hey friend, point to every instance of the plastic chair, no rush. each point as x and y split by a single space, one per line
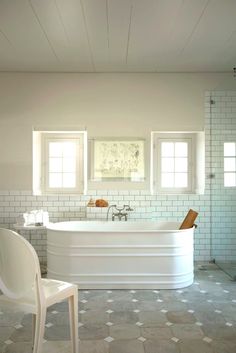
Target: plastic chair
22 285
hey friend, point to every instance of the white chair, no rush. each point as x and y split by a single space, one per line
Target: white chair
22 285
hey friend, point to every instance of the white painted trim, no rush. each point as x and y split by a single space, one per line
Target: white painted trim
197 182
81 161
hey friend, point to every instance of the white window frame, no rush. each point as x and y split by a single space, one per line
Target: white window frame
41 140
157 139
226 157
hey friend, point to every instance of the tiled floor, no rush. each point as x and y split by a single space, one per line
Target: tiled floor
200 318
229 268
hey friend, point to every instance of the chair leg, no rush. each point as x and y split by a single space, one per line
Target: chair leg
33 329
39 331
73 311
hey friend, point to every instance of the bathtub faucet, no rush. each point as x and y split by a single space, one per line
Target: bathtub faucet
122 212
108 210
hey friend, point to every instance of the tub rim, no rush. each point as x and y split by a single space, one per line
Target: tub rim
53 227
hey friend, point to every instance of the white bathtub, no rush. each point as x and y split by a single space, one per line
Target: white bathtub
113 255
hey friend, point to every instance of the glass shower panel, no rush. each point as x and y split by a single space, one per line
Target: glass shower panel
221 179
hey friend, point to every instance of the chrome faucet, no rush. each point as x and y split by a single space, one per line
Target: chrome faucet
108 210
122 212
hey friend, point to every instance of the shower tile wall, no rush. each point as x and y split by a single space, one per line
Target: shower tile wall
220 122
216 208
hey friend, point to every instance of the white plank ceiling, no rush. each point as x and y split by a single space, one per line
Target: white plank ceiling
117 35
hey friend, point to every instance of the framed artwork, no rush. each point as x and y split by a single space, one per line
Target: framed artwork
118 160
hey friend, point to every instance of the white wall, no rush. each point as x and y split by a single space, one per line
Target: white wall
106 104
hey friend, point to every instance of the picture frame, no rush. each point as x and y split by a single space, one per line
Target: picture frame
118 159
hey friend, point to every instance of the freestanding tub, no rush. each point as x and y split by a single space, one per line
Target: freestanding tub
115 255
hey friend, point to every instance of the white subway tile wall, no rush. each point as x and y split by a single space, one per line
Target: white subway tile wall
71 208
220 125
216 207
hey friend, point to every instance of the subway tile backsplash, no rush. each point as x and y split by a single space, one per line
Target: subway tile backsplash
71 208
215 235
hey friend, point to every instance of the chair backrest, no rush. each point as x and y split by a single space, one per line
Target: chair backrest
19 266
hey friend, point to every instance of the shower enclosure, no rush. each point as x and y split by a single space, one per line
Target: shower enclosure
221 177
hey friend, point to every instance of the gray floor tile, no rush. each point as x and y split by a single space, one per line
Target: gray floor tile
224 346
154 326
161 346
220 332
126 317
6 332
195 346
10 318
156 333
145 295
19 347
180 317
57 333
209 317
93 332
57 347
27 320
121 295
94 304
152 318
23 334
176 306
187 331
95 346
95 317
151 305
203 306
126 346
123 305
124 331
59 319
100 295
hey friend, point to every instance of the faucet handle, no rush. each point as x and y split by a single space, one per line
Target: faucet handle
128 208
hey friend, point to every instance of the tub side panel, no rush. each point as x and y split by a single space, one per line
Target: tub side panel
122 260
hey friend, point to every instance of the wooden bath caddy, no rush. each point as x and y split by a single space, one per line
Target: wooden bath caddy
188 222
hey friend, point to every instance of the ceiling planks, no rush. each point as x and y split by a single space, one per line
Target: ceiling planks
119 18
117 35
20 26
150 30
78 52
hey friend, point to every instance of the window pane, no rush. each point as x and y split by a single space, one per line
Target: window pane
69 149
229 165
55 149
167 164
167 149
68 180
229 179
229 149
181 180
167 180
181 149
69 165
55 165
181 164
55 180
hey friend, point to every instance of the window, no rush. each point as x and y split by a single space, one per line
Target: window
229 164
178 162
174 164
59 162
